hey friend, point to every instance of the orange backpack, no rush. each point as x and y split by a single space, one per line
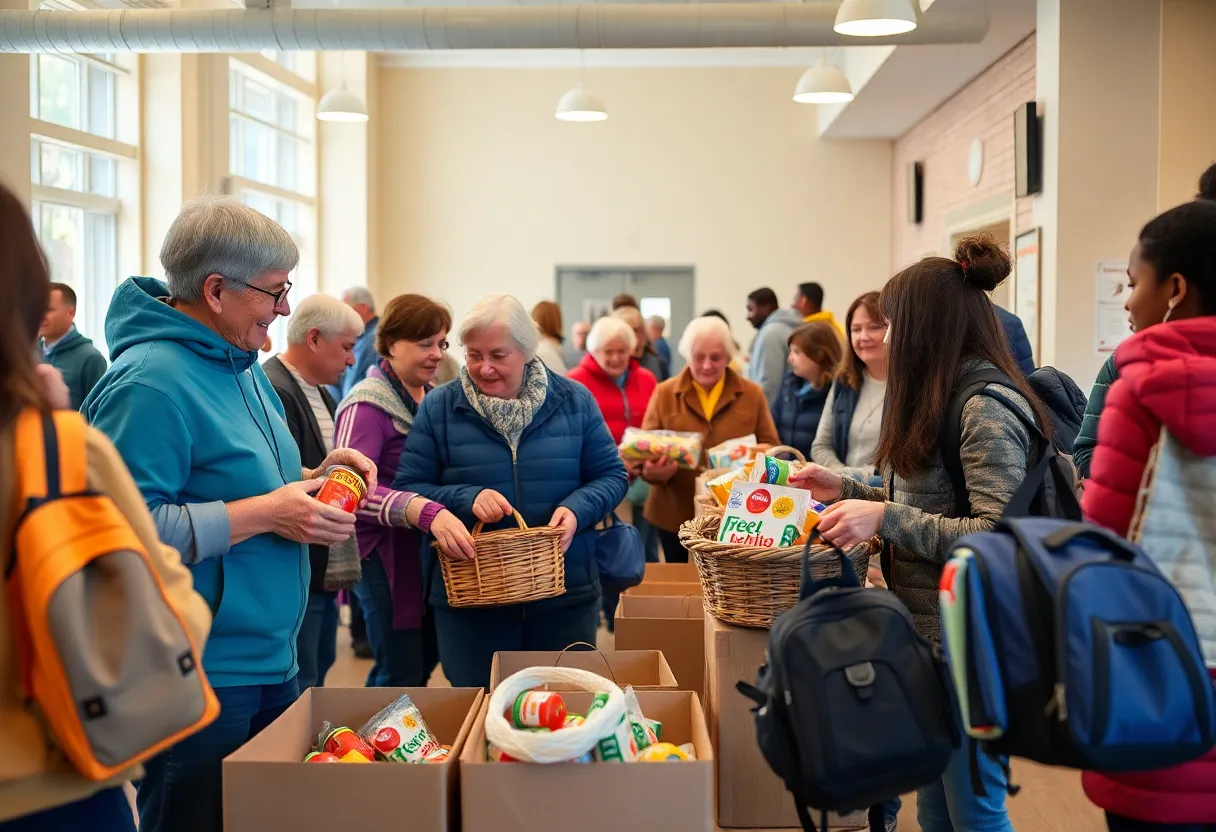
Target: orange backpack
103 653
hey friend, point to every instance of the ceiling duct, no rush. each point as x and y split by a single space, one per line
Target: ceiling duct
608 26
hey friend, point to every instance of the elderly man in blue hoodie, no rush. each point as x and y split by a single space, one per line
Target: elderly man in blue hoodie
203 434
771 348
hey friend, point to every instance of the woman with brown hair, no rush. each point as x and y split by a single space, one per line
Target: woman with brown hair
39 789
942 328
547 316
814 356
375 418
846 441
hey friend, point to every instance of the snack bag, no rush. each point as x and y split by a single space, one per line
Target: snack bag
762 515
399 733
814 511
617 747
643 734
661 753
732 453
769 469
719 487
640 445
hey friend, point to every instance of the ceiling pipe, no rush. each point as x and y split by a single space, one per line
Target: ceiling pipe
608 26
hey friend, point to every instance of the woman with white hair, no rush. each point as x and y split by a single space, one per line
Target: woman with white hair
205 438
707 397
509 436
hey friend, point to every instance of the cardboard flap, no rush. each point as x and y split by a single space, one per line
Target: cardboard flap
647 606
671 573
661 588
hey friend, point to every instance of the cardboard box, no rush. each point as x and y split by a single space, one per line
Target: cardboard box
595 797
644 669
672 626
749 794
671 573
665 589
268 786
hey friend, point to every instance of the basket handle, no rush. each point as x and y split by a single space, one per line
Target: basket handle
786 449
479 525
847 579
558 661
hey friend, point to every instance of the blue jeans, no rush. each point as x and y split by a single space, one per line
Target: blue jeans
401 658
182 789
469 638
105 811
317 644
951 805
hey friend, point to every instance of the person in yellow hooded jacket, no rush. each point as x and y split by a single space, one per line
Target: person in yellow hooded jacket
809 303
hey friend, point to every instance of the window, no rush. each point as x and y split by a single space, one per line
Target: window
272 154
76 169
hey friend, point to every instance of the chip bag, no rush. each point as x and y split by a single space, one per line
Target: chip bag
719 487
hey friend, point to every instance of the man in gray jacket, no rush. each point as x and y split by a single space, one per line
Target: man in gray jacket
771 347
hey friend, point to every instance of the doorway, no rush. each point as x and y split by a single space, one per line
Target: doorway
585 294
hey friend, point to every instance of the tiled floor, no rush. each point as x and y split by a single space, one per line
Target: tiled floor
1051 800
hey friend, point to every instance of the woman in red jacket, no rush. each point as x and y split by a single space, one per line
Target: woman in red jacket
622 388
1167 377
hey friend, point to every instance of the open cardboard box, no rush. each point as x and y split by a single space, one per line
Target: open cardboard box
665 589
268 786
672 626
671 573
644 669
595 797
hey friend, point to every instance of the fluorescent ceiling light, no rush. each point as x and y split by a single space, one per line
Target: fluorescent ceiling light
823 84
341 105
875 18
580 104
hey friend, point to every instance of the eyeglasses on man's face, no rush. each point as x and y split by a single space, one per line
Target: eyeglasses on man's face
278 296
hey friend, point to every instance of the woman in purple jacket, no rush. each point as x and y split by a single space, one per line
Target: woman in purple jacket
374 418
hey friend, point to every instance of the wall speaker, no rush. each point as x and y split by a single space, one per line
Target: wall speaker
916 193
1028 149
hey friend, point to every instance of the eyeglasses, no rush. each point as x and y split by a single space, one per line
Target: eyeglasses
278 296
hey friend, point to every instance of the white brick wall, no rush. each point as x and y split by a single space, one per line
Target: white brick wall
941 143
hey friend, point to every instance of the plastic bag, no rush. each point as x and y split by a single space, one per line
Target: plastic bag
643 445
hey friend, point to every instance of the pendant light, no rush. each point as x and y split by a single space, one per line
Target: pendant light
581 104
823 84
875 18
341 105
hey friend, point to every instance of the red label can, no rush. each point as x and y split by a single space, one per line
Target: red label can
346 745
343 488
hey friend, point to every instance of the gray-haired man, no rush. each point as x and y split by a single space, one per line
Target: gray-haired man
359 299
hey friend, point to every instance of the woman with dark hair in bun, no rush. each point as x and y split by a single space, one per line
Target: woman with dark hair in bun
941 328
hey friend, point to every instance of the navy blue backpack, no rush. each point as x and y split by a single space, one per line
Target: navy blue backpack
1076 651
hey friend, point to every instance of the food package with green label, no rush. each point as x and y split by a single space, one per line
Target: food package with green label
763 515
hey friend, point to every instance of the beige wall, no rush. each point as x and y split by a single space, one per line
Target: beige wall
480 189
1188 101
941 142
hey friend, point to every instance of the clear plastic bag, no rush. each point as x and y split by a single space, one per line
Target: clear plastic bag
641 445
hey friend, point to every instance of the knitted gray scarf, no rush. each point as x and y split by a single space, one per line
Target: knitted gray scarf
510 416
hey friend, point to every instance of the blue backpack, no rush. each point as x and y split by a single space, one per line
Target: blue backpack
1067 646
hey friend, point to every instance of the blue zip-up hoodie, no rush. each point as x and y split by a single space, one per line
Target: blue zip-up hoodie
199 425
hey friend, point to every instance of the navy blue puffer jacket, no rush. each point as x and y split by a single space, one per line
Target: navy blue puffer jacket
1019 344
565 457
797 413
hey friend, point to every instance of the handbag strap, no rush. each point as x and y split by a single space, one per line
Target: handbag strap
847 578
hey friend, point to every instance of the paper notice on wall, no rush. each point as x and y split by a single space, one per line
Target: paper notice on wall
1110 292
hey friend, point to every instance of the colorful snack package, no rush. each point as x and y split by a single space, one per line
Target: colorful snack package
732 452
662 752
813 512
344 744
399 733
643 734
619 745
640 445
770 470
656 727
719 487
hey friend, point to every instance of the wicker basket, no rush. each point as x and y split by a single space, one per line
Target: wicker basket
750 586
512 566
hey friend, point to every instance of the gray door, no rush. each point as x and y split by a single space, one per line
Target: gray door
585 294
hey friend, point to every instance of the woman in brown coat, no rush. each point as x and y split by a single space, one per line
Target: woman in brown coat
709 398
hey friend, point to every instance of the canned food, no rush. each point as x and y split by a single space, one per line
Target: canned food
343 488
345 744
321 757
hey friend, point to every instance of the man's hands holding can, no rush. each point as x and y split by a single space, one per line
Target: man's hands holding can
298 516
352 458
